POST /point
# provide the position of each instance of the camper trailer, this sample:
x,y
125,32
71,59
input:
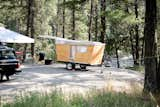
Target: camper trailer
x,y
84,53
73,52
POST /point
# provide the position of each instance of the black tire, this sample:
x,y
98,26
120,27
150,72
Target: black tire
x,y
68,66
83,67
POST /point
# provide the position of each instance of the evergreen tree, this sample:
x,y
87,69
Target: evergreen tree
x,y
152,71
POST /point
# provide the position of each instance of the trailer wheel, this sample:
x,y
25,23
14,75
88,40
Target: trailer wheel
x,y
83,67
71,66
68,66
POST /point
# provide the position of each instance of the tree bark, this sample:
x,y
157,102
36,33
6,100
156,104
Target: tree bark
x,y
132,46
152,65
142,52
137,34
32,26
90,22
63,31
150,59
96,22
103,21
28,26
117,56
73,22
158,75
57,23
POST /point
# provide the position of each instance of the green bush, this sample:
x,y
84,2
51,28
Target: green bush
x,y
48,47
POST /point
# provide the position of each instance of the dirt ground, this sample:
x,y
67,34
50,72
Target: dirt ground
x,y
47,77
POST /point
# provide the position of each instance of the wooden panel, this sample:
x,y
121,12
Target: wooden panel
x,y
97,55
63,52
84,57
92,56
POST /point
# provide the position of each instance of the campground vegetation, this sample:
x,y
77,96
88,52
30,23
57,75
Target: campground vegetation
x,y
92,99
130,26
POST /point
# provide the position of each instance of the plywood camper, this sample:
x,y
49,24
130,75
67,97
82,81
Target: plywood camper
x,y
78,52
81,52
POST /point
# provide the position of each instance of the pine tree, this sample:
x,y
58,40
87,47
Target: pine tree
x,y
103,21
152,65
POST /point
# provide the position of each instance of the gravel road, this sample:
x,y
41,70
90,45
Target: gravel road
x,y
46,77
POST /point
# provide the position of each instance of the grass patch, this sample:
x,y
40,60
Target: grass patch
x,y
92,99
137,68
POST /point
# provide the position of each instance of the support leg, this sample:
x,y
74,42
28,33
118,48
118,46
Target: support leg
x,y
1,77
7,76
73,66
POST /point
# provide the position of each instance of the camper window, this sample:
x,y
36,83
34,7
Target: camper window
x,y
81,49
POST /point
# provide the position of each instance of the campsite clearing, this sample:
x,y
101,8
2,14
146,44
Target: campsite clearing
x,y
44,78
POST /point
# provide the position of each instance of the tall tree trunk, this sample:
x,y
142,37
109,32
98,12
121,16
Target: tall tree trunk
x,y
142,52
90,22
158,75
53,30
150,60
158,39
57,23
117,56
24,53
32,27
73,22
96,22
152,71
103,21
29,3
132,46
64,19
157,95
137,34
